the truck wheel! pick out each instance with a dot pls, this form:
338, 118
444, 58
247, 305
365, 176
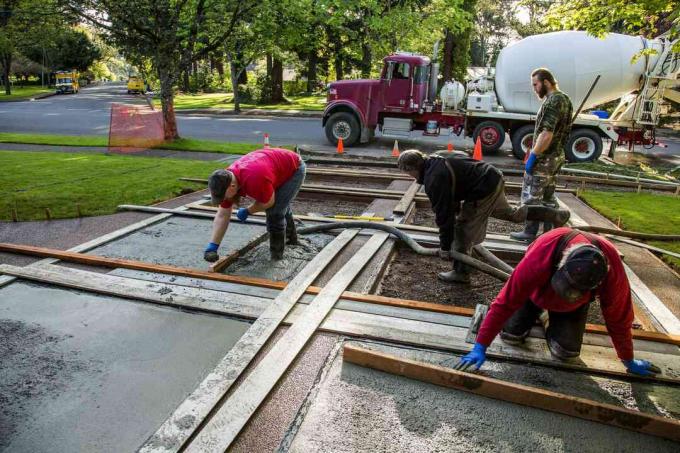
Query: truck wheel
584, 145
342, 125
522, 141
491, 134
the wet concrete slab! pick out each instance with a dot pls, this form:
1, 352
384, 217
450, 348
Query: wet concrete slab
178, 241
358, 409
85, 372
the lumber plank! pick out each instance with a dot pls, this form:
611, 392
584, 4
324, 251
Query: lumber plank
182, 423
515, 393
422, 333
101, 240
407, 199
100, 261
226, 260
223, 428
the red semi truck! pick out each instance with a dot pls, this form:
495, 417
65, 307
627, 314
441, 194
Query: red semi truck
405, 98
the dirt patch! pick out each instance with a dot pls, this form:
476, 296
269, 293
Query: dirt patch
329, 206
32, 364
413, 276
335, 181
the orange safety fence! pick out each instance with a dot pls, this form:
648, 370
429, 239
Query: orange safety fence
135, 128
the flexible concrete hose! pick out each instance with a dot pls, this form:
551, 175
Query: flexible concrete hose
408, 240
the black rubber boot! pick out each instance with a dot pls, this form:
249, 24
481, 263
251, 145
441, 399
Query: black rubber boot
558, 217
529, 233
277, 243
459, 274
291, 232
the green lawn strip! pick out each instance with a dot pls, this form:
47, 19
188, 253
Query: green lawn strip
19, 93
31, 182
645, 212
224, 101
641, 170
182, 144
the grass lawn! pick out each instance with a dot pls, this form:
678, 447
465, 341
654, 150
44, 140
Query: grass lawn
182, 144
26, 92
224, 101
31, 182
648, 213
641, 169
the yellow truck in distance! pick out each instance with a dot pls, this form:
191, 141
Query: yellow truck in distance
135, 85
67, 82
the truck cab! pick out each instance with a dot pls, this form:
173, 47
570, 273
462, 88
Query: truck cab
397, 103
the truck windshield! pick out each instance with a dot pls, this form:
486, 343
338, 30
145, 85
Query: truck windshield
421, 74
63, 80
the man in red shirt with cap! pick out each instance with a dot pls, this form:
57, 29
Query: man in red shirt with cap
562, 272
272, 178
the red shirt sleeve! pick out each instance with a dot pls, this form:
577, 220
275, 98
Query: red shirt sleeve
531, 273
617, 304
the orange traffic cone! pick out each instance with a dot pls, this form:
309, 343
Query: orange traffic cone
477, 153
395, 149
449, 146
266, 141
341, 148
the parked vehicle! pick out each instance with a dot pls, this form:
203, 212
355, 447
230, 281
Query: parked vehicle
502, 101
135, 85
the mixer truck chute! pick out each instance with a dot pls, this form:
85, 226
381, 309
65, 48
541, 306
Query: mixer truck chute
502, 101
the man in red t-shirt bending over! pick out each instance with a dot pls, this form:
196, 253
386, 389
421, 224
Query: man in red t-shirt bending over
562, 272
272, 177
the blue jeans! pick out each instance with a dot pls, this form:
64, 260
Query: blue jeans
284, 195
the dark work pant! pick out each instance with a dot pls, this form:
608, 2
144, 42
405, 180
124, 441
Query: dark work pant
564, 328
284, 195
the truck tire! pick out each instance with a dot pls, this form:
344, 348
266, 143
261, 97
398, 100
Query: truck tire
584, 145
491, 134
343, 125
522, 141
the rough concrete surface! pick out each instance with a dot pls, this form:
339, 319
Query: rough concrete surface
178, 241
84, 372
358, 409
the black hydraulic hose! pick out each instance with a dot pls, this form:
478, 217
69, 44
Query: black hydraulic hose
408, 240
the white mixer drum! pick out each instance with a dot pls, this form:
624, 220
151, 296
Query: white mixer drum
576, 59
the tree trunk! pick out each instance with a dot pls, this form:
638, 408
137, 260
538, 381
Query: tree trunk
165, 75
277, 81
338, 66
6, 66
233, 71
269, 64
448, 57
311, 71
185, 81
365, 60
219, 67
242, 75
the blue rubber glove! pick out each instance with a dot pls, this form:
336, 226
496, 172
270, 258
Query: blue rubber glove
210, 254
531, 163
242, 214
474, 358
641, 367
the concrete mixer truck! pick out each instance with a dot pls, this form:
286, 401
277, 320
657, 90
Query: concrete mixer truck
591, 71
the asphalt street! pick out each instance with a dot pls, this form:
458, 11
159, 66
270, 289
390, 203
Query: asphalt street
88, 113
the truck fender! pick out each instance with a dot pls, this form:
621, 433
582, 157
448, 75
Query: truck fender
343, 106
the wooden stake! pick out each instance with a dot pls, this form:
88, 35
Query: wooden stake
15, 216
48, 214
78, 211
586, 409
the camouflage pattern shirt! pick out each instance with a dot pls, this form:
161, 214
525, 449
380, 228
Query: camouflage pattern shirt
555, 116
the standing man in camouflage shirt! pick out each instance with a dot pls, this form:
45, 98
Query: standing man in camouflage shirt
553, 124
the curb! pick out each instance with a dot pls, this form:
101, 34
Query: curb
33, 98
252, 112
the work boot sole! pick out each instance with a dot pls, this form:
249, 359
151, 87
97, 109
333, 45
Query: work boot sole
558, 352
522, 237
454, 277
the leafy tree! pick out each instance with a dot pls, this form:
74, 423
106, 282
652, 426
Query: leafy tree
645, 17
492, 27
536, 11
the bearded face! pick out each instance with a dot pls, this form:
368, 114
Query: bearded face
539, 87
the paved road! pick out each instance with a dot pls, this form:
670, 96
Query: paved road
87, 113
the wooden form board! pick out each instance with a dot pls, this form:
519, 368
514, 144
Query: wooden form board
514, 393
407, 199
223, 428
641, 292
100, 261
176, 430
594, 359
226, 260
89, 245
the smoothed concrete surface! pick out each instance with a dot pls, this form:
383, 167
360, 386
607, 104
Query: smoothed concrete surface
178, 241
84, 372
358, 409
